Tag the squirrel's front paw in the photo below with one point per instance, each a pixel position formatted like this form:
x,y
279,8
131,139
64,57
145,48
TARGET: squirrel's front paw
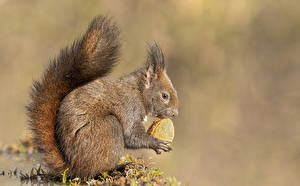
x,y
161,145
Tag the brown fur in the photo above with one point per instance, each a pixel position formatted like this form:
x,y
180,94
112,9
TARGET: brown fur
x,y
82,120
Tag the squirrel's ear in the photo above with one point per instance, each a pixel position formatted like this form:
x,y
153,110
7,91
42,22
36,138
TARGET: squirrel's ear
x,y
155,64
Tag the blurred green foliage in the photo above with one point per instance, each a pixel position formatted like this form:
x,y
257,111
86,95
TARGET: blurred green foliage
x,y
235,64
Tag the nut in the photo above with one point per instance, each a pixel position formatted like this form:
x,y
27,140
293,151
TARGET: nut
x,y
162,129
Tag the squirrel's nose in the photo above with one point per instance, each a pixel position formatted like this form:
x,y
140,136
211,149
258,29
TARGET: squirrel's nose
x,y
175,113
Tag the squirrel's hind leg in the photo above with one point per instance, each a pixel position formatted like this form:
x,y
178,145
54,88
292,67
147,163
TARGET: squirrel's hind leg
x,y
99,146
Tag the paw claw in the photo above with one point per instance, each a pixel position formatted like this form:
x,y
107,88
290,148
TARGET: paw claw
x,y
157,151
161,145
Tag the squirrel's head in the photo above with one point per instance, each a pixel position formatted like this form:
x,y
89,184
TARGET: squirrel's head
x,y
159,91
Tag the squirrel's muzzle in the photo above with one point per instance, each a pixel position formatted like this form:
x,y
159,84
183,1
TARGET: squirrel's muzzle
x,y
171,113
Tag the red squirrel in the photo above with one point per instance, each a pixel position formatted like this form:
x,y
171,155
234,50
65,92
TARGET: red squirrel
x,y
83,120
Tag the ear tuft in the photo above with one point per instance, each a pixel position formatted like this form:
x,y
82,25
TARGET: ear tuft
x,y
155,64
155,59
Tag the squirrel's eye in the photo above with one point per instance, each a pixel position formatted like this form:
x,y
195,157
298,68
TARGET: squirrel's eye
x,y
164,96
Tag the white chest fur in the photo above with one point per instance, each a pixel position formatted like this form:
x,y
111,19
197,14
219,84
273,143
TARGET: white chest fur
x,y
145,119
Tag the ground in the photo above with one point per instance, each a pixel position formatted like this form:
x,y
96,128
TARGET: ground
x,y
132,171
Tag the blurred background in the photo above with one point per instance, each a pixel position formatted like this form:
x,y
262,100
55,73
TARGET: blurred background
x,y
235,64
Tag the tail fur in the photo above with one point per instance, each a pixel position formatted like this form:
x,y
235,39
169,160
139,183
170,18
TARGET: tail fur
x,y
91,57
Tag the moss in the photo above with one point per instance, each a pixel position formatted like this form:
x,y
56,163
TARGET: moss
x,y
64,176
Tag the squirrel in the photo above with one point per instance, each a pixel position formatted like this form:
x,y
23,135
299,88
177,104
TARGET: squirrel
x,y
83,120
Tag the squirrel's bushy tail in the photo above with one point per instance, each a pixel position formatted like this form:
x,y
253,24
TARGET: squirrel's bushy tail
x,y
91,57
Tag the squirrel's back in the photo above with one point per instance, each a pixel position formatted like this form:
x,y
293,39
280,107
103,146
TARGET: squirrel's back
x,y
90,57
